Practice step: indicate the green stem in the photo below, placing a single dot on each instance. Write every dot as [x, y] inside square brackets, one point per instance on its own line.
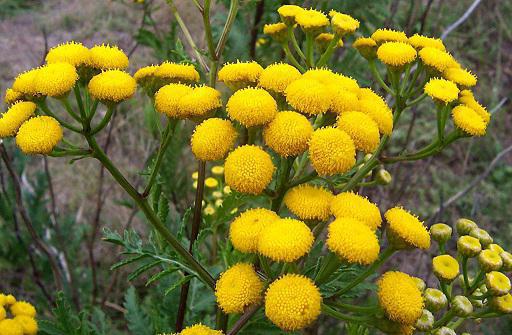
[291, 37]
[476, 282]
[329, 51]
[445, 318]
[417, 100]
[417, 73]
[104, 121]
[292, 58]
[356, 309]
[208, 29]
[78, 97]
[69, 109]
[233, 10]
[310, 62]
[65, 153]
[284, 174]
[341, 316]
[42, 105]
[378, 77]
[330, 264]
[465, 273]
[305, 179]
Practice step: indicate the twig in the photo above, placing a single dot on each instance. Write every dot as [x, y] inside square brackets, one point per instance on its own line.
[258, 14]
[244, 319]
[461, 20]
[425, 15]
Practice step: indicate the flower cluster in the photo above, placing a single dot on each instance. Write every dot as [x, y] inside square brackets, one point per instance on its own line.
[17, 317]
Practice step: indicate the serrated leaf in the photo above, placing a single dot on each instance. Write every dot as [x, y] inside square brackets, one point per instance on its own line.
[177, 284]
[160, 275]
[127, 261]
[137, 320]
[143, 269]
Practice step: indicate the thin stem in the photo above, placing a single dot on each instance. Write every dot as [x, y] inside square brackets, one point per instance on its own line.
[42, 105]
[417, 100]
[69, 109]
[304, 179]
[78, 97]
[476, 282]
[104, 121]
[378, 77]
[208, 28]
[310, 62]
[445, 318]
[356, 309]
[284, 174]
[248, 314]
[344, 317]
[465, 273]
[292, 58]
[233, 10]
[329, 51]
[291, 37]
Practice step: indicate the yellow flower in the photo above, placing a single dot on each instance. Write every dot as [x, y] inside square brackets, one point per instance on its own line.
[201, 101]
[460, 76]
[11, 96]
[292, 302]
[28, 324]
[376, 107]
[73, 53]
[490, 260]
[311, 20]
[503, 303]
[218, 170]
[343, 101]
[238, 287]
[55, 80]
[245, 230]
[366, 47]
[106, 57]
[324, 39]
[211, 182]
[240, 74]
[276, 77]
[308, 96]
[441, 90]
[495, 247]
[468, 120]
[175, 73]
[39, 135]
[199, 329]
[362, 129]
[213, 139]
[498, 283]
[10, 327]
[24, 82]
[343, 24]
[419, 42]
[288, 13]
[167, 99]
[251, 107]
[144, 73]
[351, 205]
[331, 151]
[209, 210]
[331, 79]
[388, 35]
[436, 59]
[405, 230]
[285, 240]
[445, 267]
[396, 54]
[3, 313]
[353, 241]
[468, 246]
[400, 297]
[18, 113]
[276, 30]
[112, 86]
[309, 202]
[248, 169]
[467, 98]
[23, 308]
[288, 133]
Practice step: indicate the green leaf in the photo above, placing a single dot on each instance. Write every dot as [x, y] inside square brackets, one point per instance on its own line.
[142, 269]
[161, 275]
[177, 284]
[136, 318]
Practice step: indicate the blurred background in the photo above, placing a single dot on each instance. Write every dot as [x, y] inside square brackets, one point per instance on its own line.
[69, 206]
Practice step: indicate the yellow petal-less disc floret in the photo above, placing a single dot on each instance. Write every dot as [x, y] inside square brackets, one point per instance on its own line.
[445, 267]
[460, 76]
[288, 13]
[28, 324]
[503, 303]
[144, 73]
[11, 96]
[343, 101]
[73, 53]
[199, 329]
[420, 41]
[18, 113]
[442, 90]
[331, 151]
[106, 57]
[177, 73]
[396, 54]
[309, 202]
[292, 302]
[405, 230]
[331, 79]
[39, 135]
[276, 77]
[343, 24]
[238, 287]
[362, 129]
[23, 308]
[288, 133]
[467, 98]
[24, 82]
[388, 35]
[308, 96]
[353, 241]
[285, 240]
[244, 231]
[10, 327]
[112, 86]
[400, 297]
[276, 30]
[498, 283]
[167, 99]
[240, 74]
[468, 120]
[352, 205]
[251, 107]
[376, 107]
[201, 101]
[436, 59]
[213, 139]
[248, 169]
[311, 20]
[55, 80]
[366, 47]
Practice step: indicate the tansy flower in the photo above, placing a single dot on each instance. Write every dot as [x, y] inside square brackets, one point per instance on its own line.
[240, 74]
[468, 120]
[400, 297]
[10, 327]
[482, 235]
[209, 210]
[308, 96]
[24, 82]
[55, 80]
[396, 54]
[15, 116]
[460, 76]
[106, 57]
[343, 101]
[201, 101]
[248, 169]
[503, 303]
[497, 282]
[288, 133]
[489, 260]
[351, 205]
[23, 308]
[292, 302]
[331, 151]
[405, 230]
[507, 260]
[343, 24]
[366, 47]
[445, 267]
[324, 39]
[388, 35]
[11, 96]
[112, 86]
[362, 129]
[288, 13]
[353, 241]
[200, 329]
[468, 246]
[213, 139]
[3, 313]
[285, 240]
[28, 324]
[7, 300]
[435, 300]
[309, 202]
[218, 170]
[211, 182]
[73, 53]
[442, 90]
[144, 73]
[251, 107]
[168, 97]
[467, 98]
[374, 106]
[495, 247]
[245, 230]
[39, 135]
[437, 59]
[276, 30]
[238, 287]
[175, 73]
[331, 79]
[276, 77]
[311, 20]
[419, 42]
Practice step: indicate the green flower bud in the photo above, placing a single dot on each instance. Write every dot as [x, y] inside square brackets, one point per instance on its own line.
[503, 303]
[446, 268]
[435, 300]
[464, 226]
[469, 246]
[482, 235]
[462, 306]
[507, 260]
[482, 288]
[441, 232]
[478, 303]
[425, 322]
[420, 283]
[497, 283]
[383, 177]
[445, 331]
[490, 260]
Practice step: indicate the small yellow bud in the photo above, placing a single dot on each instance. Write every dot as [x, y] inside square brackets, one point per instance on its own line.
[482, 235]
[383, 177]
[464, 226]
[445, 331]
[507, 260]
[462, 306]
[435, 300]
[209, 210]
[366, 46]
[503, 303]
[469, 246]
[497, 283]
[490, 260]
[441, 232]
[218, 170]
[278, 31]
[195, 175]
[495, 247]
[217, 194]
[425, 322]
[445, 267]
[420, 283]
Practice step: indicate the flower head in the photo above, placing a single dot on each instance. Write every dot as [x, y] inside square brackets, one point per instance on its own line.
[276, 77]
[311, 20]
[497, 282]
[213, 139]
[211, 182]
[308, 96]
[252, 107]
[289, 12]
[106, 57]
[18, 113]
[376, 107]
[288, 133]
[201, 101]
[39, 135]
[73, 53]
[145, 73]
[460, 76]
[353, 241]
[467, 98]
[435, 299]
[245, 230]
[468, 120]
[167, 99]
[24, 82]
[28, 324]
[366, 47]
[419, 42]
[240, 74]
[248, 169]
[177, 73]
[331, 151]
[352, 205]
[362, 129]
[445, 267]
[441, 232]
[276, 30]
[490, 260]
[11, 96]
[309, 202]
[503, 303]
[331, 79]
[388, 35]
[23, 308]
[343, 24]
[55, 79]
[442, 90]
[10, 327]
[396, 54]
[436, 59]
[344, 101]
[292, 302]
[405, 230]
[468, 246]
[199, 329]
[112, 86]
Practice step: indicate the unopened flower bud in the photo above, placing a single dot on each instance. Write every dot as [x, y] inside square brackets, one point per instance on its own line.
[420, 283]
[469, 246]
[497, 283]
[445, 267]
[278, 31]
[495, 247]
[464, 226]
[324, 39]
[426, 321]
[217, 194]
[482, 235]
[490, 260]
[441, 232]
[462, 306]
[478, 303]
[507, 260]
[369, 174]
[435, 300]
[503, 303]
[10, 300]
[383, 177]
[366, 46]
[445, 331]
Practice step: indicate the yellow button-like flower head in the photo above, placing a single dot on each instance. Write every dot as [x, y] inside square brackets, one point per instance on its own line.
[405, 230]
[309, 202]
[468, 246]
[420, 41]
[55, 80]
[240, 74]
[39, 135]
[112, 86]
[288, 13]
[503, 303]
[73, 53]
[23, 308]
[468, 120]
[388, 35]
[24, 82]
[244, 231]
[331, 79]
[106, 57]
[490, 260]
[308, 96]
[11, 96]
[200, 102]
[498, 283]
[199, 329]
[460, 76]
[376, 107]
[344, 101]
[445, 267]
[351, 205]
[366, 46]
[10, 327]
[276, 30]
[437, 60]
[276, 77]
[311, 20]
[28, 324]
[396, 54]
[363, 130]
[171, 72]
[343, 24]
[331, 151]
[18, 113]
[467, 98]
[442, 90]
[252, 107]
[288, 133]
[213, 139]
[167, 99]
